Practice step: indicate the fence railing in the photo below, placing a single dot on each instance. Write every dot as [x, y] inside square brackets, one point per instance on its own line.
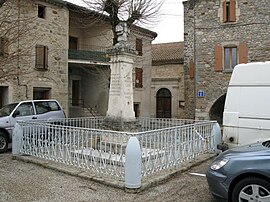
[82, 142]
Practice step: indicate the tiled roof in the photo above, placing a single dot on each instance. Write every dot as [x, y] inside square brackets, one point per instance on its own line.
[168, 52]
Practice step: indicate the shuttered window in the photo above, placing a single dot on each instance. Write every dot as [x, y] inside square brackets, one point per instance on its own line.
[191, 69]
[138, 77]
[3, 46]
[226, 58]
[139, 46]
[41, 57]
[229, 11]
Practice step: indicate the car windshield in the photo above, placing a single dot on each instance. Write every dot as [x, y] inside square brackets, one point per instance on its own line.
[6, 110]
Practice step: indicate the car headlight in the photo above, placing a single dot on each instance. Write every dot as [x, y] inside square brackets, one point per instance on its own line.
[216, 165]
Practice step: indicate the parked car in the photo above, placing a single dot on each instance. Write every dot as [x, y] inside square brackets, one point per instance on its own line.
[241, 174]
[26, 110]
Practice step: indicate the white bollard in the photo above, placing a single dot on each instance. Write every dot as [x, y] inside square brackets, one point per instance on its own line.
[133, 164]
[17, 139]
[216, 132]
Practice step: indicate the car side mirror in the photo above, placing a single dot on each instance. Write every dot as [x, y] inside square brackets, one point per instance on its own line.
[16, 113]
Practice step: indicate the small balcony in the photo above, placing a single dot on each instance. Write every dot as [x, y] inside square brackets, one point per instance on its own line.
[89, 53]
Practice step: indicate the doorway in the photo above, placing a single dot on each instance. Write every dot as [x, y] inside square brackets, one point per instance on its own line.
[163, 103]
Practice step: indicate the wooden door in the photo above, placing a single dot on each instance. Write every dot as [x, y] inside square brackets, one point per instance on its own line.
[164, 100]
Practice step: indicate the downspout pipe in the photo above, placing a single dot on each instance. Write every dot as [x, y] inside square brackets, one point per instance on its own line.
[195, 57]
[18, 49]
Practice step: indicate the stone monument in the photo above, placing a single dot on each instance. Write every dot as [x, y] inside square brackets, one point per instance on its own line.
[120, 114]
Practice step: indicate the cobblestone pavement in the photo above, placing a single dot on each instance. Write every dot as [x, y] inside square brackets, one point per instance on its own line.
[20, 181]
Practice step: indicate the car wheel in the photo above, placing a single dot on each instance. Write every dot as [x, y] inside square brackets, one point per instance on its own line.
[3, 142]
[251, 189]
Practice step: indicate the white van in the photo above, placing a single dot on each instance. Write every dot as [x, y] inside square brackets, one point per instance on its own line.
[25, 110]
[246, 117]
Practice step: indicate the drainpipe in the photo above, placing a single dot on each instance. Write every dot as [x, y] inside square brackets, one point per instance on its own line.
[18, 48]
[194, 56]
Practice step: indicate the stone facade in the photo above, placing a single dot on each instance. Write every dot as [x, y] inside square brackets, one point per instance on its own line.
[30, 31]
[208, 35]
[168, 73]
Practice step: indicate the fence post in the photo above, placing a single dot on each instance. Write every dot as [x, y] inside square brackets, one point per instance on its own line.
[133, 163]
[17, 139]
[216, 134]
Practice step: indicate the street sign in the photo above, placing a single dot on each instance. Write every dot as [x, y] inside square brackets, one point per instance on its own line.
[200, 93]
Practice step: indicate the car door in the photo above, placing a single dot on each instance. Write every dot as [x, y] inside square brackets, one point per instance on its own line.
[48, 110]
[24, 111]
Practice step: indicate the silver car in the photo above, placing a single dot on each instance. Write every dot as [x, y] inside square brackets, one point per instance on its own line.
[25, 110]
[241, 174]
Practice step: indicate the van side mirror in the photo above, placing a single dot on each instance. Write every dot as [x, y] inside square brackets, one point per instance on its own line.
[16, 113]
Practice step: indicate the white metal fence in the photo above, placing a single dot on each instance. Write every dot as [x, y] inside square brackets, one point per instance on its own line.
[81, 142]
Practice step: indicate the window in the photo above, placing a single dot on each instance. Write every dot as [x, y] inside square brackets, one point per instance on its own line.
[138, 77]
[137, 109]
[73, 43]
[45, 106]
[25, 109]
[41, 93]
[41, 11]
[229, 11]
[41, 57]
[139, 46]
[230, 58]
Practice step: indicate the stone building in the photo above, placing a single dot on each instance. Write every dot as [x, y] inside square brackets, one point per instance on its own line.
[218, 35]
[167, 88]
[33, 51]
[60, 51]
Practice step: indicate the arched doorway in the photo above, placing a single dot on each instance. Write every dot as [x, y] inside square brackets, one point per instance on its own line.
[216, 111]
[164, 100]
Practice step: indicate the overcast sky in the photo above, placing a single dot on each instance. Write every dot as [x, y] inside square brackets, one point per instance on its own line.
[170, 27]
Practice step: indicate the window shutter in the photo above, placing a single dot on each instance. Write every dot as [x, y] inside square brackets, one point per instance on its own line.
[218, 58]
[5, 46]
[224, 11]
[39, 57]
[139, 46]
[1, 46]
[45, 57]
[243, 52]
[232, 11]
[191, 69]
[138, 77]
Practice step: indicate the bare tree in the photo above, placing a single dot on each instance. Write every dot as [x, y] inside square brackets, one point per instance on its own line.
[141, 12]
[15, 51]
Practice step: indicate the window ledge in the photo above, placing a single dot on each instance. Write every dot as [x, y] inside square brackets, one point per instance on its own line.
[227, 71]
[229, 23]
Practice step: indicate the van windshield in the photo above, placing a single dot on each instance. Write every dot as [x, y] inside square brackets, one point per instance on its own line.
[7, 109]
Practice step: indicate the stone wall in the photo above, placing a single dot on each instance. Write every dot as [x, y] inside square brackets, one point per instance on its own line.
[204, 21]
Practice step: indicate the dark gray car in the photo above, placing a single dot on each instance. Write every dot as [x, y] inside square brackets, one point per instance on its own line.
[241, 174]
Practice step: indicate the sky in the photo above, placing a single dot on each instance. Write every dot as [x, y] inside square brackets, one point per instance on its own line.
[170, 27]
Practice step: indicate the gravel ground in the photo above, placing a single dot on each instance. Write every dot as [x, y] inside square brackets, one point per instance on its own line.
[20, 181]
